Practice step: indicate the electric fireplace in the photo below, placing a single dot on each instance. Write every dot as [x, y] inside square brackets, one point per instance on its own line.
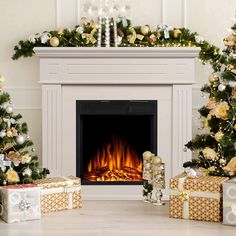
[111, 137]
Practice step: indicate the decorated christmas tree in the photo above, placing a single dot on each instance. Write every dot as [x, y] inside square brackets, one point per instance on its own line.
[216, 146]
[17, 163]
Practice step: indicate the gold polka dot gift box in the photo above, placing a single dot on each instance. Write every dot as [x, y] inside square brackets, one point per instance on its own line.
[60, 193]
[196, 198]
[229, 202]
[20, 203]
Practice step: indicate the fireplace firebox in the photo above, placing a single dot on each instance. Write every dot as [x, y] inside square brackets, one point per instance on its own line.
[111, 137]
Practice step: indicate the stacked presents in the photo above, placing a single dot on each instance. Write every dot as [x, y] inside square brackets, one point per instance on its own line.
[204, 198]
[27, 201]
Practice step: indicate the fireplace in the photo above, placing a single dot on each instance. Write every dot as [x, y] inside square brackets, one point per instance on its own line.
[119, 74]
[111, 137]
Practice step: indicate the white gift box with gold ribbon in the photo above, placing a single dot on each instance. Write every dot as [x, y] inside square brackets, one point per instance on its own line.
[229, 202]
[196, 198]
[20, 203]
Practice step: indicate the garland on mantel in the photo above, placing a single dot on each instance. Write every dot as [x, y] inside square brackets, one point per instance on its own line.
[85, 35]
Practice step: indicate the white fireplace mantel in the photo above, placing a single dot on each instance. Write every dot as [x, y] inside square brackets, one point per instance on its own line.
[70, 74]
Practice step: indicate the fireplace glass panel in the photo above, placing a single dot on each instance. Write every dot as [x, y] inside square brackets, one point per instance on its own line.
[111, 137]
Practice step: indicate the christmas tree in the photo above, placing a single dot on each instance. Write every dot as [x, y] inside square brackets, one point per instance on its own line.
[17, 164]
[216, 146]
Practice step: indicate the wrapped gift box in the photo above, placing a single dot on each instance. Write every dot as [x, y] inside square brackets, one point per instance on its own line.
[60, 193]
[20, 203]
[196, 198]
[229, 202]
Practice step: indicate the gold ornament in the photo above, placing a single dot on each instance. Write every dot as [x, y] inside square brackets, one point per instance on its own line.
[54, 42]
[230, 40]
[94, 25]
[156, 160]
[176, 33]
[12, 177]
[213, 78]
[230, 168]
[145, 29]
[61, 31]
[7, 146]
[9, 133]
[147, 155]
[218, 136]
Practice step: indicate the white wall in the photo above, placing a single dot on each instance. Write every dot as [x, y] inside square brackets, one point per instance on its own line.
[20, 18]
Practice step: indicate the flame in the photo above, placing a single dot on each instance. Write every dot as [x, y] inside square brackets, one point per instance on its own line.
[115, 161]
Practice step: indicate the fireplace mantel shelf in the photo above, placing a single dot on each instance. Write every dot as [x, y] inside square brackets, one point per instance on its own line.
[120, 52]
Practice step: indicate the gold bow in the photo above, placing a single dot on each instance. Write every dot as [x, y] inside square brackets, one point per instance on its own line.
[133, 36]
[184, 195]
[89, 37]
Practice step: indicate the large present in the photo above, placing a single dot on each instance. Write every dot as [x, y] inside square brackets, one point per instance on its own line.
[20, 203]
[60, 193]
[229, 202]
[196, 198]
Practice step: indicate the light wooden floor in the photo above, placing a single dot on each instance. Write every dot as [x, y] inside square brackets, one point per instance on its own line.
[114, 218]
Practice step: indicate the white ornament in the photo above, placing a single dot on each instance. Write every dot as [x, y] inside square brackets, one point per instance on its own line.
[32, 38]
[2, 133]
[9, 109]
[221, 87]
[27, 171]
[199, 39]
[20, 139]
[232, 84]
[45, 37]
[190, 172]
[222, 161]
[80, 29]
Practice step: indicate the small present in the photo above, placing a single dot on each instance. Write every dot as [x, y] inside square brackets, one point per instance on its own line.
[196, 198]
[20, 203]
[60, 193]
[229, 202]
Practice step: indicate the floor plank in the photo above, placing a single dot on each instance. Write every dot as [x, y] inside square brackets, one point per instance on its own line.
[114, 218]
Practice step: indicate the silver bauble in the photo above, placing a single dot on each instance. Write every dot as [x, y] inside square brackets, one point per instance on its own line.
[2, 133]
[20, 139]
[9, 109]
[221, 87]
[27, 171]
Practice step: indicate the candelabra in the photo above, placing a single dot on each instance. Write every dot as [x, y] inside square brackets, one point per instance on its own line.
[108, 11]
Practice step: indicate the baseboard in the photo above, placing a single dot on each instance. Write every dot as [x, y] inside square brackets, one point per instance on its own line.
[116, 192]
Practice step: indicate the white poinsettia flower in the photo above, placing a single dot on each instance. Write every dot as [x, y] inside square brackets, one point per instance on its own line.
[80, 29]
[2, 78]
[32, 38]
[199, 39]
[45, 37]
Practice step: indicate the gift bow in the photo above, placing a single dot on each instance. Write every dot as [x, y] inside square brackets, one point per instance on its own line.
[133, 36]
[89, 37]
[166, 30]
[24, 205]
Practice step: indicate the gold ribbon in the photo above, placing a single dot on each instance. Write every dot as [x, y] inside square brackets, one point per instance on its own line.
[89, 37]
[133, 36]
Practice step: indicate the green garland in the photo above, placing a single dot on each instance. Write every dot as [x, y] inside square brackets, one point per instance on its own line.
[85, 35]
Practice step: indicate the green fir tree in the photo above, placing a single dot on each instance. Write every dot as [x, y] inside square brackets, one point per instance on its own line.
[18, 164]
[216, 147]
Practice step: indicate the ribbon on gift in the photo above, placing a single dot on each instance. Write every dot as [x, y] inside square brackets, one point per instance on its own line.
[166, 30]
[133, 36]
[186, 194]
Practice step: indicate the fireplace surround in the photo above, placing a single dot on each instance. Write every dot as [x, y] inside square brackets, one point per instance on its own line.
[163, 74]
